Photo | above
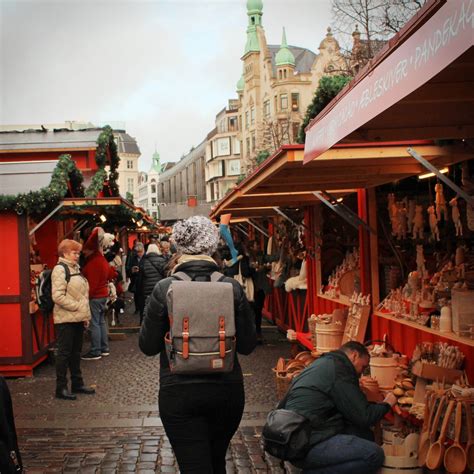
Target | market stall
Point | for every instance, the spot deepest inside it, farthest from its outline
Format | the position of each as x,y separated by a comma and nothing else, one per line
52,186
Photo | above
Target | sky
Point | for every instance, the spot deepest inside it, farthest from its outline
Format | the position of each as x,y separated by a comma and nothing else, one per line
164,68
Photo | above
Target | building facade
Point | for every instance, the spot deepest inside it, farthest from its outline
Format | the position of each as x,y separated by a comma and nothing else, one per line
148,187
277,85
223,157
129,153
182,189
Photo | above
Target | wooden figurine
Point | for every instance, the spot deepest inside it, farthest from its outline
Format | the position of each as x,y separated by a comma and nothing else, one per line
418,222
440,201
433,223
456,215
420,261
392,212
401,218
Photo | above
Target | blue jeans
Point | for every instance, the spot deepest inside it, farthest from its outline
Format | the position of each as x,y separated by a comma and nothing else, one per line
99,332
344,454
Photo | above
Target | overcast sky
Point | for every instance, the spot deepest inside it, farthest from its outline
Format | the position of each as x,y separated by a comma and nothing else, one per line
164,67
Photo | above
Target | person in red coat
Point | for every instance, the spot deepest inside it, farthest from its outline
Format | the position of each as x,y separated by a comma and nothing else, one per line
98,273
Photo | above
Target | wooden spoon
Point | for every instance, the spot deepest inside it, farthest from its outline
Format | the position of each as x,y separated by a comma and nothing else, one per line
455,457
435,455
470,436
425,440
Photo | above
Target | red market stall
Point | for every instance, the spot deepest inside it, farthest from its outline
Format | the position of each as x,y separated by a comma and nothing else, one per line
420,87
37,170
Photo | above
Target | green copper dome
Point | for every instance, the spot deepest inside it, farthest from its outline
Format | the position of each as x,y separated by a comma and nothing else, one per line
254,5
241,84
284,57
155,163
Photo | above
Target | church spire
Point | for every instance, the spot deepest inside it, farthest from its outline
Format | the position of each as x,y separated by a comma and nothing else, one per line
254,12
155,163
284,57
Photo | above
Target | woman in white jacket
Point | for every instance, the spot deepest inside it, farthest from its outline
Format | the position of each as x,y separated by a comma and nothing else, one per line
70,293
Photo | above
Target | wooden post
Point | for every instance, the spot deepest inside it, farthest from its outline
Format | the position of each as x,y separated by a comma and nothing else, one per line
374,247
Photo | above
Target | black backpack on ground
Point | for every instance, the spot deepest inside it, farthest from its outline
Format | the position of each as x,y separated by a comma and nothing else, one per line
44,288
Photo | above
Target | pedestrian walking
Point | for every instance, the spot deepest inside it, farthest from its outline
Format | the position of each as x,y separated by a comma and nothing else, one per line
98,273
200,412
133,273
71,313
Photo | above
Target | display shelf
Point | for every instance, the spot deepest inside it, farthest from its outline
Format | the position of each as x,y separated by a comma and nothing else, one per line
344,300
446,335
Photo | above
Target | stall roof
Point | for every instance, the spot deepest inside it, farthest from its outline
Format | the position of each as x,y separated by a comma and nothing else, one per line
420,86
283,180
32,140
25,176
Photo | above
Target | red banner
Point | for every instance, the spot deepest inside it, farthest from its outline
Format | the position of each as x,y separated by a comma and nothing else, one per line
435,45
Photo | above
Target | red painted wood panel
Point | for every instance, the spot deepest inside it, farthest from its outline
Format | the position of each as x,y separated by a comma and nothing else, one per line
10,333
10,277
47,239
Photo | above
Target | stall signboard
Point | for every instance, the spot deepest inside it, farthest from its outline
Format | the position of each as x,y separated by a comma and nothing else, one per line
436,44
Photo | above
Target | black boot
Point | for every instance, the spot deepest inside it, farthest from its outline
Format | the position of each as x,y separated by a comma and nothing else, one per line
64,394
83,389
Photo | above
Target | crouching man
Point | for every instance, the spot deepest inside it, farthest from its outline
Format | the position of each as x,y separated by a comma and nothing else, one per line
328,394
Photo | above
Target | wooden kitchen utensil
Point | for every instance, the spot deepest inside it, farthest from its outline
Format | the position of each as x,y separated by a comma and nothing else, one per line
470,436
425,440
455,456
435,455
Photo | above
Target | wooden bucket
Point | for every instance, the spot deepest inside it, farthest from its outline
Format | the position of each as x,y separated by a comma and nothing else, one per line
385,371
328,337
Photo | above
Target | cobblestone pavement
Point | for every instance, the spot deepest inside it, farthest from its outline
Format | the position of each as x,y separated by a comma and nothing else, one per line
118,429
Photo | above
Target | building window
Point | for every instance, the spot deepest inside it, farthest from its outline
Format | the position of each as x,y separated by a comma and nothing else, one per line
275,101
280,76
247,143
130,186
295,101
284,73
247,119
155,215
153,201
233,124
284,101
252,115
253,142
266,108
130,164
153,189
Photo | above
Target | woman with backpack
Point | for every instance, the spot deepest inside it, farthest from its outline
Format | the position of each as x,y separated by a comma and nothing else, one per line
70,293
200,410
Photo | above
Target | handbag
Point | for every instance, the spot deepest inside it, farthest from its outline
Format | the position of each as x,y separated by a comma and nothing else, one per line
247,285
286,434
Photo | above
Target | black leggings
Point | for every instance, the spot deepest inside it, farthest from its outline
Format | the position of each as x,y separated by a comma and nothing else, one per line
200,420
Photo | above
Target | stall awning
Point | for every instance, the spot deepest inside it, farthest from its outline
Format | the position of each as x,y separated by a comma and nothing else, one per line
283,180
420,86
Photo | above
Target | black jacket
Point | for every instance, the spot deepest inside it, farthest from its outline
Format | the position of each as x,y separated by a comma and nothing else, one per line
245,268
156,324
8,439
153,269
328,394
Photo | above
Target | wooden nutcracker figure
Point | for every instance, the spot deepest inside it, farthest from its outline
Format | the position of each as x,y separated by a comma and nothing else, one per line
433,223
418,222
441,207
456,215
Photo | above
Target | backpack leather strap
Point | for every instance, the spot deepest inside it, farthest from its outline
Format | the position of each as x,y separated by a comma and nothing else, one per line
216,276
185,338
182,276
221,337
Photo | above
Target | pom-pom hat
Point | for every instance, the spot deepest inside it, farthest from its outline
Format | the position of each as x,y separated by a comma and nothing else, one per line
195,235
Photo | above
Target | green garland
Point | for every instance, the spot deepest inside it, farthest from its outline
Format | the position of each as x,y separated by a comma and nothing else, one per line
106,147
47,198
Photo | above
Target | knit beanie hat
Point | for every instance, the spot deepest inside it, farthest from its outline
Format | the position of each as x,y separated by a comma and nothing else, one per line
195,235
153,248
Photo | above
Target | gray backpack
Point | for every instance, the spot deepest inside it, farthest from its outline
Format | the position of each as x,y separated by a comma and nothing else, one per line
202,325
